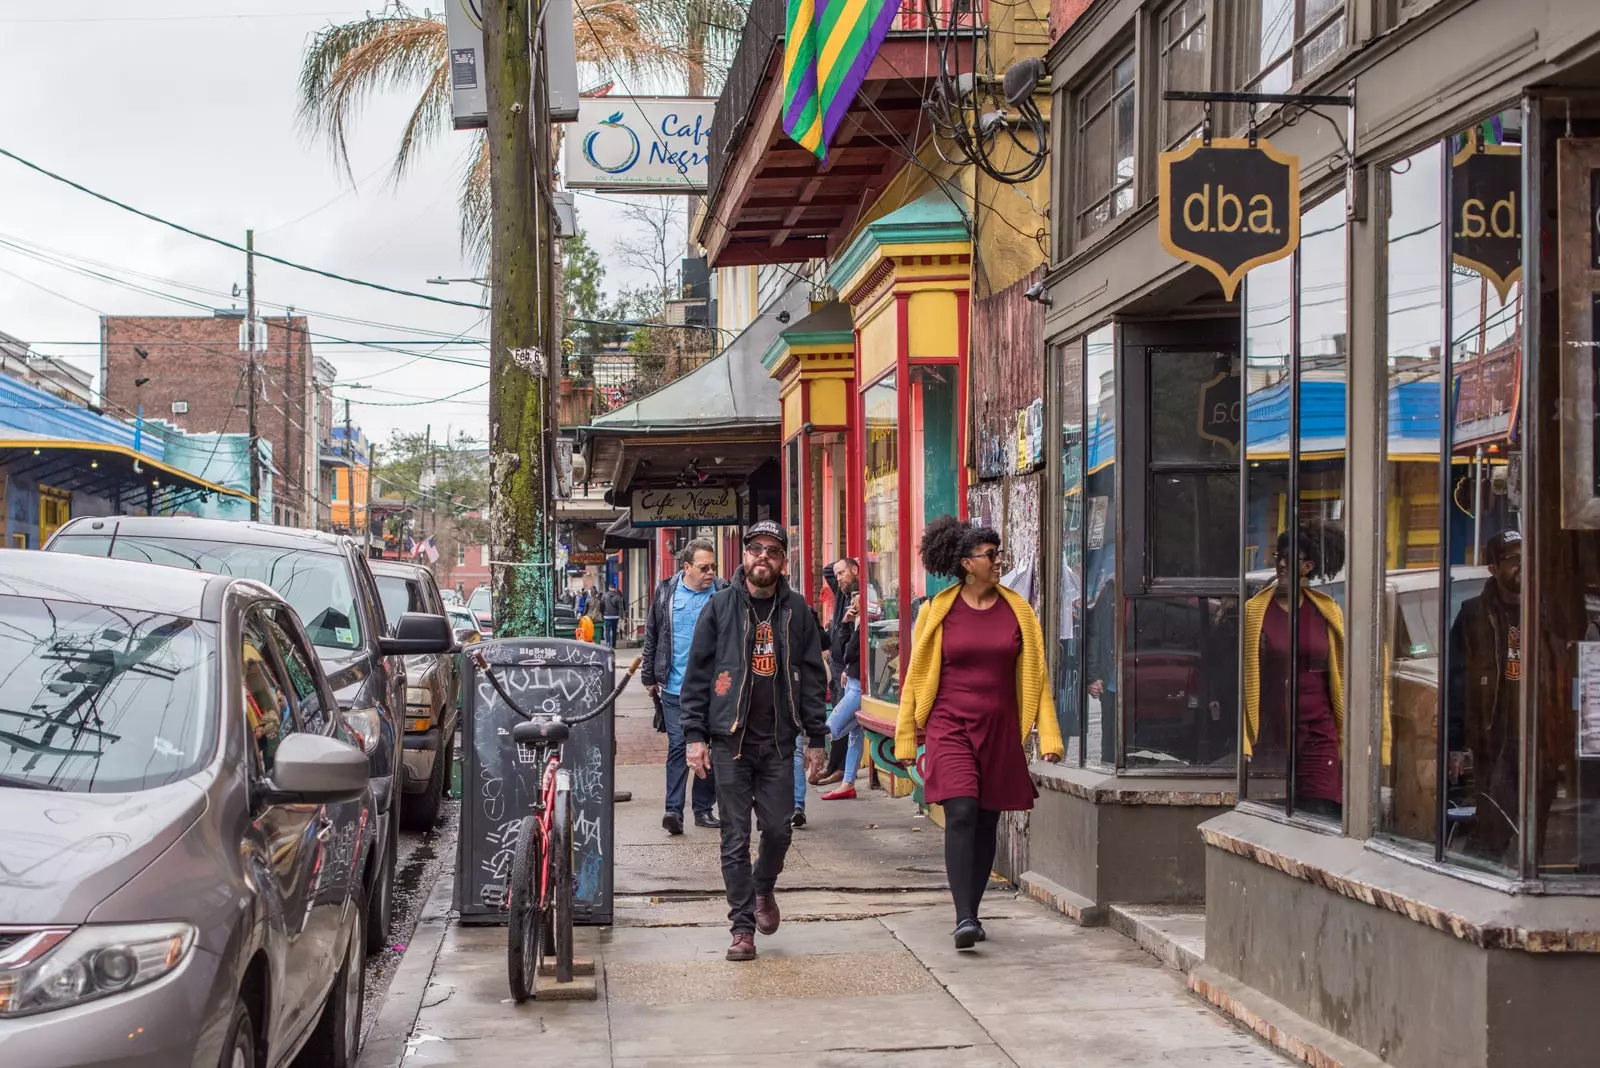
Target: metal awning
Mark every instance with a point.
(107, 470)
(624, 535)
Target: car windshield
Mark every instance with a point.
(460, 617)
(102, 700)
(399, 596)
(316, 584)
(480, 600)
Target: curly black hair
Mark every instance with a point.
(947, 540)
(1322, 543)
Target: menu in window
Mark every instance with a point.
(1586, 695)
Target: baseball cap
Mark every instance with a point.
(770, 529)
(1503, 545)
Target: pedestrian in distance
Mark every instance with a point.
(668, 632)
(755, 680)
(611, 606)
(977, 686)
(844, 642)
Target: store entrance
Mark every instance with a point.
(1182, 407)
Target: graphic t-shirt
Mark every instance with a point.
(761, 717)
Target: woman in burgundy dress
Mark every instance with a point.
(976, 686)
(1316, 691)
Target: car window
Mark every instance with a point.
(480, 600)
(82, 544)
(460, 617)
(316, 584)
(298, 665)
(269, 717)
(399, 595)
(103, 700)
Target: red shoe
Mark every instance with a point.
(743, 947)
(846, 792)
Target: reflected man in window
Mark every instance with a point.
(1485, 686)
(1317, 690)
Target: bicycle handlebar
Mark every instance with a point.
(482, 663)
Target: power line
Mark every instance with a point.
(236, 247)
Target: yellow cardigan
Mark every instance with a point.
(1255, 614)
(1035, 705)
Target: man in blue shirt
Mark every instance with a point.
(668, 632)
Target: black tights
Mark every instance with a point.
(969, 843)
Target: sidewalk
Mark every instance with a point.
(862, 971)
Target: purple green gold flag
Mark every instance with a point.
(828, 46)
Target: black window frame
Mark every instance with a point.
(1205, 23)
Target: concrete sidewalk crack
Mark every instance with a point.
(945, 987)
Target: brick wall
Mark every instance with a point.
(1063, 13)
(199, 361)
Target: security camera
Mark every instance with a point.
(1038, 294)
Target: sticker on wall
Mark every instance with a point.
(1229, 206)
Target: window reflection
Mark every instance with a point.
(1069, 632)
(1099, 559)
(882, 463)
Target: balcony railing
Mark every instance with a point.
(763, 36)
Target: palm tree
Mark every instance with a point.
(398, 50)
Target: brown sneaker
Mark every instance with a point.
(743, 947)
(767, 916)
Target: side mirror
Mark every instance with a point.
(418, 633)
(316, 769)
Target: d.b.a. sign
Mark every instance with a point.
(1229, 206)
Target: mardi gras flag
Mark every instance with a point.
(827, 47)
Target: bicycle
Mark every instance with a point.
(539, 894)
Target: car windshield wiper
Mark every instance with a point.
(27, 784)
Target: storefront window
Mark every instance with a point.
(1295, 415)
(935, 461)
(1409, 793)
(1099, 554)
(881, 459)
(825, 540)
(1069, 625)
(1185, 51)
(1277, 42)
(1106, 121)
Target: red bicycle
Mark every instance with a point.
(539, 894)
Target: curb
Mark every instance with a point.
(385, 1042)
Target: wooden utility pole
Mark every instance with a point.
(250, 370)
(521, 288)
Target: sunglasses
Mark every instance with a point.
(772, 552)
(992, 555)
(704, 569)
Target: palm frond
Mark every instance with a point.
(476, 206)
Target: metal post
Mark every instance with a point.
(366, 509)
(1477, 500)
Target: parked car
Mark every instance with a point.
(187, 829)
(432, 685)
(482, 605)
(464, 624)
(327, 581)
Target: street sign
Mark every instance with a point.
(640, 144)
(701, 506)
(551, 675)
(1485, 217)
(1229, 206)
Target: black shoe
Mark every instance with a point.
(798, 819)
(673, 823)
(968, 933)
(705, 819)
(983, 936)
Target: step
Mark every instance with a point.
(1173, 934)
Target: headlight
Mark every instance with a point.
(418, 695)
(366, 724)
(91, 962)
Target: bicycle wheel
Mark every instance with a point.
(524, 934)
(561, 882)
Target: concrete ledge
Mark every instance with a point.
(1487, 918)
(385, 1043)
(1281, 1028)
(1106, 788)
(1173, 934)
(1075, 907)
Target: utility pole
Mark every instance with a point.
(250, 357)
(285, 463)
(521, 291)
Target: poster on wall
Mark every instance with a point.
(640, 144)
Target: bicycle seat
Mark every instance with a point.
(540, 731)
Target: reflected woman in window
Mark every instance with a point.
(1318, 684)
(977, 686)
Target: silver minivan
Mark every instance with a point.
(185, 824)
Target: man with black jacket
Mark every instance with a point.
(754, 681)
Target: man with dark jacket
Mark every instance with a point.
(611, 606)
(755, 680)
(1485, 687)
(668, 631)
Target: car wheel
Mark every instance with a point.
(380, 902)
(337, 1039)
(419, 812)
(239, 1051)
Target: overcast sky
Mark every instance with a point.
(186, 109)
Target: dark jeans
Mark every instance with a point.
(760, 780)
(678, 774)
(611, 630)
(969, 845)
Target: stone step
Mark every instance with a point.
(1173, 934)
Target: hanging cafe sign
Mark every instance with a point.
(1229, 204)
(697, 506)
